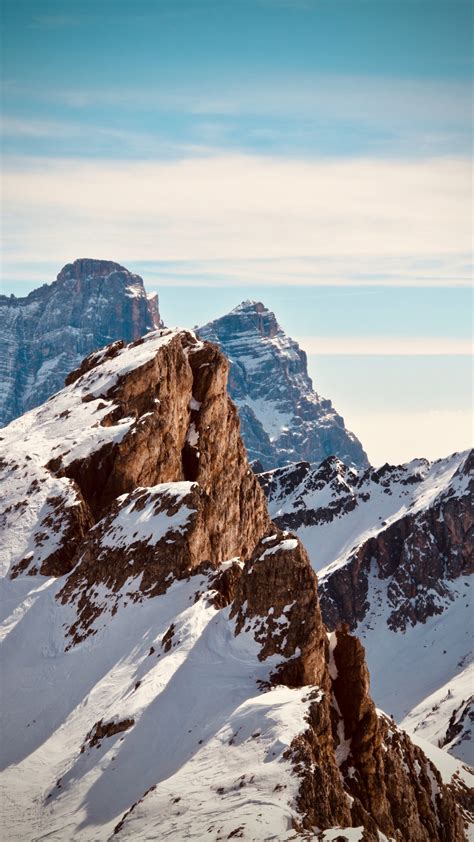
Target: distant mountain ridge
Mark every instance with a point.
(44, 335)
(394, 551)
(282, 418)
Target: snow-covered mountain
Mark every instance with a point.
(282, 418)
(394, 551)
(165, 670)
(45, 335)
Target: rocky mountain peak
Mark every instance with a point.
(253, 316)
(283, 419)
(46, 334)
(86, 267)
(173, 634)
(140, 427)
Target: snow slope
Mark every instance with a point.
(166, 678)
(336, 508)
(201, 728)
(445, 717)
(70, 426)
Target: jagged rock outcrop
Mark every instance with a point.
(46, 334)
(154, 450)
(173, 634)
(419, 555)
(415, 523)
(389, 786)
(277, 598)
(420, 536)
(356, 767)
(282, 418)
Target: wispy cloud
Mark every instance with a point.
(296, 114)
(364, 98)
(259, 217)
(412, 346)
(369, 270)
(138, 143)
(23, 127)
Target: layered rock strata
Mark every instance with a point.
(283, 419)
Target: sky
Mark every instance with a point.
(312, 154)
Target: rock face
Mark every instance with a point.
(394, 550)
(172, 633)
(46, 334)
(137, 429)
(282, 418)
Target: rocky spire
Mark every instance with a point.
(283, 419)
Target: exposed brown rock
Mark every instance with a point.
(101, 730)
(385, 783)
(224, 583)
(322, 801)
(183, 374)
(187, 430)
(428, 544)
(110, 557)
(389, 777)
(355, 768)
(93, 360)
(151, 452)
(278, 584)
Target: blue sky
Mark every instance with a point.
(314, 154)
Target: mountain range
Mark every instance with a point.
(171, 665)
(166, 672)
(393, 548)
(94, 302)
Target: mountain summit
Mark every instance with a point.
(46, 334)
(282, 418)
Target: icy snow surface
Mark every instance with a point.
(201, 728)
